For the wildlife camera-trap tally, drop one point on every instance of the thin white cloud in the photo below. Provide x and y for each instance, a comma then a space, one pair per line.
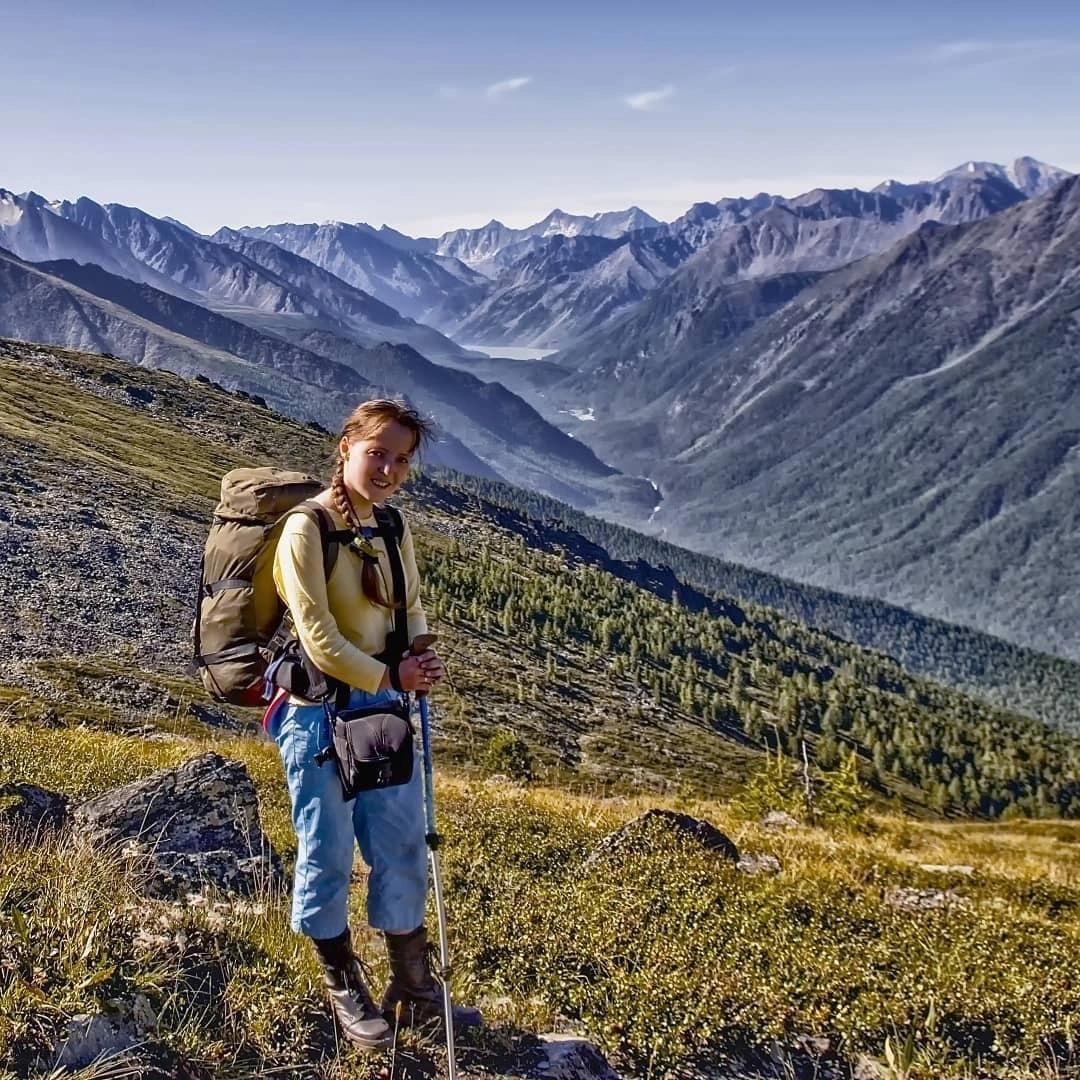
648, 100
507, 86
953, 50
973, 51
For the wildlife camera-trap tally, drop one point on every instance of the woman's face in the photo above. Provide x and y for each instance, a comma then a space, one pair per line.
376, 466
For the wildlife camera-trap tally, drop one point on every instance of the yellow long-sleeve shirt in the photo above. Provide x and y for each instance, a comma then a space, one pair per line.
339, 628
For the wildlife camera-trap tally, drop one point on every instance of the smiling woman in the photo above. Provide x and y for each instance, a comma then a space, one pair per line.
355, 626
374, 467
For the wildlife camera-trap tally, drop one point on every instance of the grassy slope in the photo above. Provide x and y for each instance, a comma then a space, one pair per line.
663, 956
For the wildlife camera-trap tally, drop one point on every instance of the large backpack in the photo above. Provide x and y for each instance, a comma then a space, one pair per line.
240, 623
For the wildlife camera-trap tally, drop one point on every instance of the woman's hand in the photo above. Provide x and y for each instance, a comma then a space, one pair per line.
420, 672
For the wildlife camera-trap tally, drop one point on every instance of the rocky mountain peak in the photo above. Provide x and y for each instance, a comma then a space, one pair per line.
1034, 177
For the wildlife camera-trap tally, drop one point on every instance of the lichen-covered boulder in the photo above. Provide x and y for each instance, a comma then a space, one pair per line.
758, 865
29, 808
568, 1057
634, 835
188, 829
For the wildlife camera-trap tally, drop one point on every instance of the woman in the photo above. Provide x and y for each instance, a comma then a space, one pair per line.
342, 624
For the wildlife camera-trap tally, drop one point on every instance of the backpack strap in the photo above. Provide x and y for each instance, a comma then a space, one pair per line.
391, 528
318, 683
330, 537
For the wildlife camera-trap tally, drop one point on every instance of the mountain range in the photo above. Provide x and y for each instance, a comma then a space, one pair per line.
873, 391
907, 426
256, 282
547, 297
495, 246
254, 316
416, 283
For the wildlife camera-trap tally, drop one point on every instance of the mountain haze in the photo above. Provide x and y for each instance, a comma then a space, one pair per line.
31, 229
359, 314
542, 298
412, 282
485, 429
907, 426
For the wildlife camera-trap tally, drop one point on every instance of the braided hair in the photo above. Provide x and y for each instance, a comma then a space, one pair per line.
365, 421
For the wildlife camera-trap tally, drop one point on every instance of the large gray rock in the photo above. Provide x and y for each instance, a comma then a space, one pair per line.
189, 828
568, 1057
758, 865
27, 807
634, 835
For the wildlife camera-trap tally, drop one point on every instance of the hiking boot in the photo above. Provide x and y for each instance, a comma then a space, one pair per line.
414, 986
350, 1000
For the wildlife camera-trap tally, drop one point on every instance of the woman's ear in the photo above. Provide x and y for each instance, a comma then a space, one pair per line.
343, 449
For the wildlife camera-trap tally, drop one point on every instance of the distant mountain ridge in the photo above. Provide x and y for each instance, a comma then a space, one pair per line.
1024, 173
267, 290
409, 280
760, 236
481, 248
31, 229
906, 426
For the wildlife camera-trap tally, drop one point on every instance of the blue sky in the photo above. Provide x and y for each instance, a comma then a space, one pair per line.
431, 116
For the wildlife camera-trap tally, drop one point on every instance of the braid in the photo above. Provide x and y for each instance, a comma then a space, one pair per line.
369, 578
364, 420
339, 495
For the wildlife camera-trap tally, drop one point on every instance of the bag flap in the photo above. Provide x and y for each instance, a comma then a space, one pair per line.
263, 494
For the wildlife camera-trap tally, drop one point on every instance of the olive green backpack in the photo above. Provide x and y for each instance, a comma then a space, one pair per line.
238, 614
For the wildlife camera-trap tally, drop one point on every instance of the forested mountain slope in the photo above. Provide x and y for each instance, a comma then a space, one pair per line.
906, 427
608, 681
992, 669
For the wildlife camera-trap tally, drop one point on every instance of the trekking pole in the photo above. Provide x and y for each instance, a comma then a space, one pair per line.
421, 643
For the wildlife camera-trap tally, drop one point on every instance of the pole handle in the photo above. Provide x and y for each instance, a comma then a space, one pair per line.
421, 643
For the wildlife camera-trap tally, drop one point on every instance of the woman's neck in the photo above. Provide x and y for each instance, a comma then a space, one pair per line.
361, 507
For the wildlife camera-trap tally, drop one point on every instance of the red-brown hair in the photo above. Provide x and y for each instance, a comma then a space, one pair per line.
364, 422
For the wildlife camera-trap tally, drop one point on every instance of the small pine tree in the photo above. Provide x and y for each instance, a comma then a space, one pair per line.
507, 754
843, 796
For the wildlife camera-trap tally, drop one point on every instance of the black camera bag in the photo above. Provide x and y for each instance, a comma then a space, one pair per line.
373, 747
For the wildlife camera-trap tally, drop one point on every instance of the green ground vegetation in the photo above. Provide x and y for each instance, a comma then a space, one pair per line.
608, 677
997, 671
665, 955
616, 688
744, 674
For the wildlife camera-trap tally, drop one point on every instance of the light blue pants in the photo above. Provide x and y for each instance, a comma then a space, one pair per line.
388, 824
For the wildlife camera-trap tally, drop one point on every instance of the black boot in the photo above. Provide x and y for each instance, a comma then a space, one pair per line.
413, 984
351, 1001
